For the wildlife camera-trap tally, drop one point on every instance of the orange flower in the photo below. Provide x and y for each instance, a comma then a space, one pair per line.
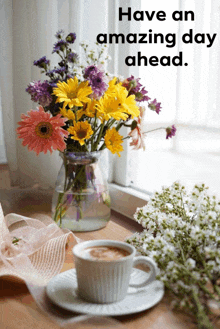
41, 132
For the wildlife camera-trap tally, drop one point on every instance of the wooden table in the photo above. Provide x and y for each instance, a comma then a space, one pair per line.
19, 310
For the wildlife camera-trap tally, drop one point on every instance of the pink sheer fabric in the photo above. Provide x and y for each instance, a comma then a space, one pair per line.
39, 252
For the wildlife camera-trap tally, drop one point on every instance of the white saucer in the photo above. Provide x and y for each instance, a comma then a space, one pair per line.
62, 291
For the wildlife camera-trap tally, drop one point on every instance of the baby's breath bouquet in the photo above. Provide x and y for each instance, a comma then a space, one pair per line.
82, 107
182, 234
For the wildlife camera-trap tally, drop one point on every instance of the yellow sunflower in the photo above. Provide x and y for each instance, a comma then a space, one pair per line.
81, 131
110, 107
113, 141
72, 93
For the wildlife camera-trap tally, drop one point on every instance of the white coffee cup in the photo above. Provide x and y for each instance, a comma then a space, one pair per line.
102, 281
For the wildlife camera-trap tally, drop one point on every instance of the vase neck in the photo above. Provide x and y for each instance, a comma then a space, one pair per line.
81, 158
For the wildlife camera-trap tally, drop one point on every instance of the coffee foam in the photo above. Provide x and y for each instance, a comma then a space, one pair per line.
104, 253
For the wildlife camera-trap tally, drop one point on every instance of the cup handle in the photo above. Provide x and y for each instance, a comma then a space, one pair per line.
153, 270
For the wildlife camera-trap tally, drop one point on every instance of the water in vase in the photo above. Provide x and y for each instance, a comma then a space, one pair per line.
84, 212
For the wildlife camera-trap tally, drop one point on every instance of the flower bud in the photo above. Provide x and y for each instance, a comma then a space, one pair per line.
71, 37
138, 96
133, 83
134, 124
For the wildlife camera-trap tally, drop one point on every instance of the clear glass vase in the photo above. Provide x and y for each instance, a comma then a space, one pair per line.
81, 200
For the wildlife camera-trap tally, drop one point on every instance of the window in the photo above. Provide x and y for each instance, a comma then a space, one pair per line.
189, 98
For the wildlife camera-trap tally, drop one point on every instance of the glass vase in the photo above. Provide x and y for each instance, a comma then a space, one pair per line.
81, 200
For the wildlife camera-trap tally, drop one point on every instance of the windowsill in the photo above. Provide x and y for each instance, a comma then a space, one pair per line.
125, 200
125, 222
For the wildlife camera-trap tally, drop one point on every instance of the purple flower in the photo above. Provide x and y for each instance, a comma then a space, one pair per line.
59, 46
134, 87
45, 100
59, 34
53, 83
60, 70
71, 37
154, 106
97, 79
39, 92
72, 57
141, 95
171, 131
42, 62
98, 83
50, 73
92, 69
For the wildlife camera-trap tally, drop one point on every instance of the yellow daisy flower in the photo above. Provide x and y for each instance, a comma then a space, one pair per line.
70, 115
90, 108
128, 104
72, 93
67, 114
113, 141
116, 103
81, 131
110, 107
113, 87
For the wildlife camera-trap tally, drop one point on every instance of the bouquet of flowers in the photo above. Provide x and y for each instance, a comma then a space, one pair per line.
182, 234
82, 108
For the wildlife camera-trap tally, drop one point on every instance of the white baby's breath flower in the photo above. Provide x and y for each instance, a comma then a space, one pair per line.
151, 225
170, 265
196, 275
149, 209
161, 218
169, 248
181, 284
195, 231
208, 251
217, 208
169, 233
212, 214
190, 263
217, 259
164, 278
183, 236
153, 254
212, 265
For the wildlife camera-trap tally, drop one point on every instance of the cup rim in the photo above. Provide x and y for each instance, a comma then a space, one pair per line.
114, 243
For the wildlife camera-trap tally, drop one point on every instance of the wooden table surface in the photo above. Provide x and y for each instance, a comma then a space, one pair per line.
19, 310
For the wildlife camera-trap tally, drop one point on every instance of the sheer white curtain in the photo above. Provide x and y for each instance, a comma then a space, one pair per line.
27, 30
189, 96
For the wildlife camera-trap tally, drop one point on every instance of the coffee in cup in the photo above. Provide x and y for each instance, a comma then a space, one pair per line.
104, 267
104, 253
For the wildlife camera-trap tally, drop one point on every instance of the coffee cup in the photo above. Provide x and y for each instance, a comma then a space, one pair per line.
104, 268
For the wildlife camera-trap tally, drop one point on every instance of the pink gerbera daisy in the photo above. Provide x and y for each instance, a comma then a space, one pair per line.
41, 132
